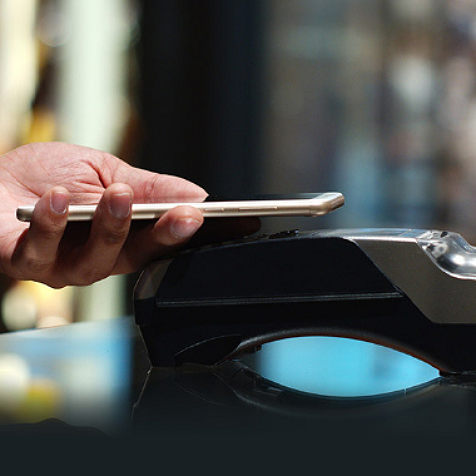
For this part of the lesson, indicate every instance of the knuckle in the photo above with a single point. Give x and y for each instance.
(35, 265)
(114, 236)
(54, 280)
(52, 232)
(152, 185)
(55, 284)
(49, 230)
(89, 275)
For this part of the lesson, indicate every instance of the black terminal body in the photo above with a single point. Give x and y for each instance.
(412, 290)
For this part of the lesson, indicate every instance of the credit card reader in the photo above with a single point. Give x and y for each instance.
(412, 290)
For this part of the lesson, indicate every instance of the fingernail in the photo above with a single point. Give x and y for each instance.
(120, 205)
(185, 227)
(58, 203)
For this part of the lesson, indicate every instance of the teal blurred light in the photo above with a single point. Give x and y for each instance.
(341, 367)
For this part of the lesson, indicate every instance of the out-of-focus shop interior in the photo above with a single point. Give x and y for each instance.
(372, 98)
(64, 76)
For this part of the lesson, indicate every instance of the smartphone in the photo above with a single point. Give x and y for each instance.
(263, 205)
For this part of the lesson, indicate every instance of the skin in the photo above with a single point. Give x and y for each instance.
(54, 175)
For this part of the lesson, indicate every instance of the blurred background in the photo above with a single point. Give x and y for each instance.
(372, 98)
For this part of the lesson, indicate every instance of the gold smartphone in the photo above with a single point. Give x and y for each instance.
(264, 205)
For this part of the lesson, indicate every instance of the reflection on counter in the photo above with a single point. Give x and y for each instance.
(340, 367)
(79, 374)
(90, 375)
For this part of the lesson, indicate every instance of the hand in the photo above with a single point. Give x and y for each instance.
(53, 175)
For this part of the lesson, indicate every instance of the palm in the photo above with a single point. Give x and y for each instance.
(30, 171)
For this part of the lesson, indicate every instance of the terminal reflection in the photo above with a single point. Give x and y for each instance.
(97, 375)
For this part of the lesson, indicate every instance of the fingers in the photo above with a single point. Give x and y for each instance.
(177, 226)
(109, 230)
(36, 255)
(48, 253)
(171, 231)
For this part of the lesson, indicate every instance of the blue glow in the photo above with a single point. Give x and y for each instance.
(340, 367)
(87, 364)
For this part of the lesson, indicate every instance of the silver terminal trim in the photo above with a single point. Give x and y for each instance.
(436, 270)
(150, 279)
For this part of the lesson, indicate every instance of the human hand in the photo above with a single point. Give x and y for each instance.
(53, 175)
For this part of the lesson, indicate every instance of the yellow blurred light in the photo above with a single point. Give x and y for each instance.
(28, 304)
(19, 309)
(40, 126)
(42, 401)
(52, 321)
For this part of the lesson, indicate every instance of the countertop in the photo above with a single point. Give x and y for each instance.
(94, 380)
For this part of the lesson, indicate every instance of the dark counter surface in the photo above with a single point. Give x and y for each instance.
(93, 380)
